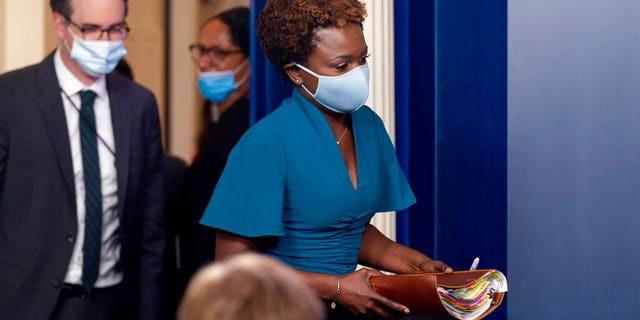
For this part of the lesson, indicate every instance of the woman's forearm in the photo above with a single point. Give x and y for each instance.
(228, 244)
(378, 251)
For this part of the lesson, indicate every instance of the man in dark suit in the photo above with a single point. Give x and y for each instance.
(82, 232)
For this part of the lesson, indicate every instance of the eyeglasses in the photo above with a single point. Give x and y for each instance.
(213, 53)
(93, 33)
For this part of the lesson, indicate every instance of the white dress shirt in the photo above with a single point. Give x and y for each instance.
(110, 251)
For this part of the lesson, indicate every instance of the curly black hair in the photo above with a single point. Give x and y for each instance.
(287, 28)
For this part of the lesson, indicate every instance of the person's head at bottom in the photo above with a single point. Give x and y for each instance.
(249, 286)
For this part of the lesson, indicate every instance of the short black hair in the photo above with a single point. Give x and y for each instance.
(238, 21)
(63, 7)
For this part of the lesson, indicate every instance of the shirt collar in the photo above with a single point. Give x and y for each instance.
(71, 85)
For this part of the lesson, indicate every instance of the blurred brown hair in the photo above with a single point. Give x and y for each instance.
(249, 286)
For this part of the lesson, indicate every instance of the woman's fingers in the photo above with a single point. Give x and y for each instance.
(443, 267)
(360, 298)
(435, 266)
(390, 304)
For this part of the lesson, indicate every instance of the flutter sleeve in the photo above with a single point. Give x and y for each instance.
(248, 198)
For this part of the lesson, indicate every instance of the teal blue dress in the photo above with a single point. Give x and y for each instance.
(286, 179)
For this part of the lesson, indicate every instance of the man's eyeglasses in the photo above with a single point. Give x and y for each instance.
(213, 53)
(93, 33)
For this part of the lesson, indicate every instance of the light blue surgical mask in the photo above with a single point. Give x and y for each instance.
(96, 57)
(216, 86)
(344, 93)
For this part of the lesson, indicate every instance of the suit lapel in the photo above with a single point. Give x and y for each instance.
(52, 110)
(121, 131)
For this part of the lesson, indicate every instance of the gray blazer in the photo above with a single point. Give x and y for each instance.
(37, 198)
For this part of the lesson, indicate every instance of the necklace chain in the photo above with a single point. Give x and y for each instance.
(346, 128)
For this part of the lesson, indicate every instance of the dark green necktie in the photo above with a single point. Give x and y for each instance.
(93, 194)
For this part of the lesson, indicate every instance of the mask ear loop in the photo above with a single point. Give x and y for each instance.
(302, 84)
(240, 66)
(64, 40)
(306, 70)
(236, 85)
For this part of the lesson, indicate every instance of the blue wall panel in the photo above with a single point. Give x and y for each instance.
(471, 132)
(415, 118)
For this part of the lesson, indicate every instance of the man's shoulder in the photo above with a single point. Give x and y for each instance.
(124, 91)
(19, 77)
(121, 83)
(38, 74)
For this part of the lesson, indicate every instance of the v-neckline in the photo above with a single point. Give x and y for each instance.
(355, 186)
(328, 138)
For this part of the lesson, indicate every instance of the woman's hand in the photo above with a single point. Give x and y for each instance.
(358, 297)
(382, 253)
(429, 265)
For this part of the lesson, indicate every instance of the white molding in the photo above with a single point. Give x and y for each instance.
(378, 32)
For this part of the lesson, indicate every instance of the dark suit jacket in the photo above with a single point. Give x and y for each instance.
(37, 197)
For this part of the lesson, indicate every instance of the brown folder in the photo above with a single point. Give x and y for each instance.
(419, 292)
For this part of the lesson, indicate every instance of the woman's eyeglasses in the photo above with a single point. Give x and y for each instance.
(213, 53)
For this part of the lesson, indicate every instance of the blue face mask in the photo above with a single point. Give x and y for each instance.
(96, 57)
(216, 86)
(344, 93)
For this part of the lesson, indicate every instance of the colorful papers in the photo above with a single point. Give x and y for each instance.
(472, 300)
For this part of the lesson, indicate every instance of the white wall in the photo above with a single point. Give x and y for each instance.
(23, 39)
(182, 78)
(378, 31)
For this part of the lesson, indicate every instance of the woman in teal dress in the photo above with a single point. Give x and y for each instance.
(303, 184)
